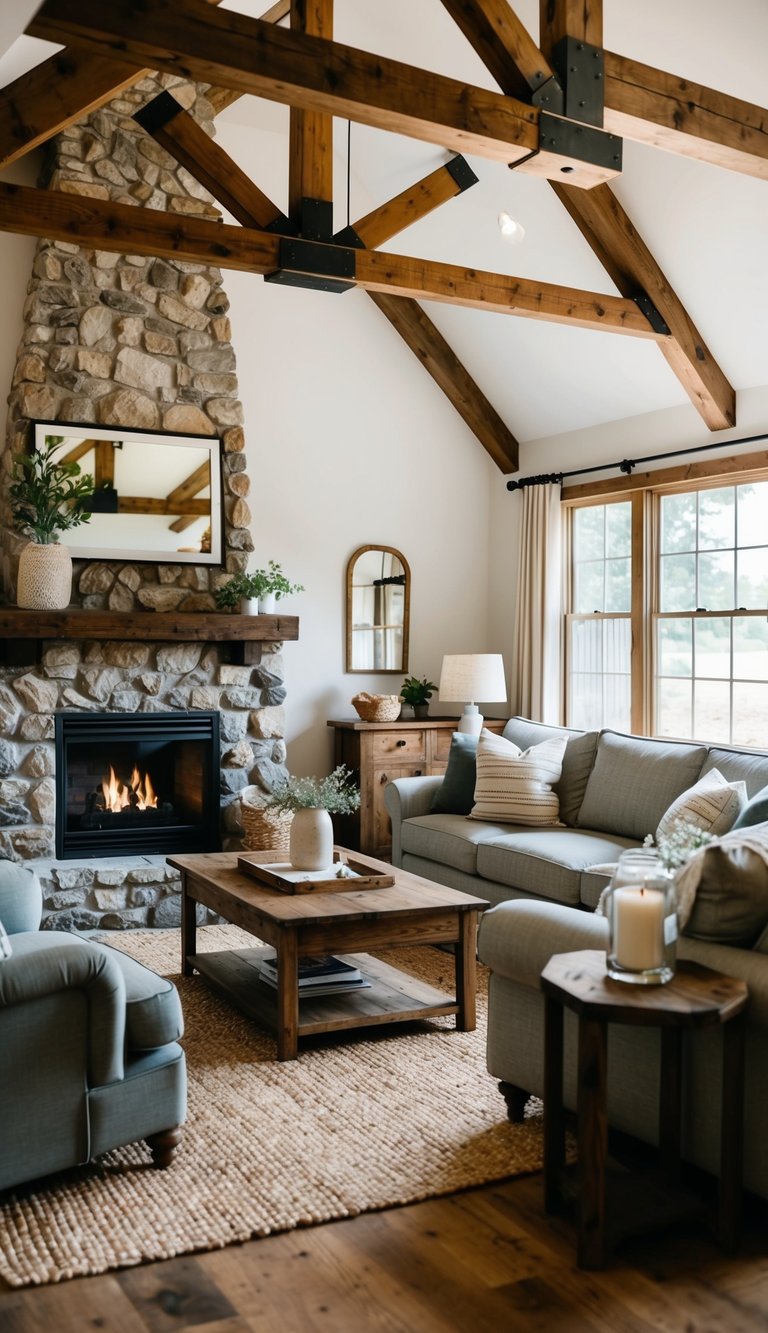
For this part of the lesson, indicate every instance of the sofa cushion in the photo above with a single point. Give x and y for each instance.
(152, 1007)
(738, 765)
(577, 761)
(712, 804)
(755, 811)
(731, 903)
(456, 793)
(451, 840)
(514, 786)
(634, 781)
(546, 862)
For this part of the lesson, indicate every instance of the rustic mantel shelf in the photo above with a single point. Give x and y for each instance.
(18, 628)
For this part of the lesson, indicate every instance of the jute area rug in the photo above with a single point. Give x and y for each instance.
(354, 1124)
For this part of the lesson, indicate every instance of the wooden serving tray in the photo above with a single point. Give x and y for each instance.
(280, 875)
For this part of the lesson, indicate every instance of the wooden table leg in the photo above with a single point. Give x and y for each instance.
(554, 1119)
(592, 1141)
(188, 928)
(466, 972)
(731, 1134)
(287, 996)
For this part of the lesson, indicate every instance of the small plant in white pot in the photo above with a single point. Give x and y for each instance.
(256, 593)
(48, 497)
(312, 801)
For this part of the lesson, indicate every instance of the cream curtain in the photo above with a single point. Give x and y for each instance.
(538, 636)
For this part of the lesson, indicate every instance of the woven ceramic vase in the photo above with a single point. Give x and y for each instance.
(311, 840)
(45, 577)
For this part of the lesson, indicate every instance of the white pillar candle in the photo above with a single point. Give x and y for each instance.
(638, 927)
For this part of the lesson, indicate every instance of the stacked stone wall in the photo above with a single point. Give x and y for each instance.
(124, 340)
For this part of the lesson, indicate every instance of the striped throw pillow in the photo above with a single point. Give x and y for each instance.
(514, 786)
(711, 804)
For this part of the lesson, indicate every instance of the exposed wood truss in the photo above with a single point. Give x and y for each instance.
(597, 212)
(180, 134)
(111, 45)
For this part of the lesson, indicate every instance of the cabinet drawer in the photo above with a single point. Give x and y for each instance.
(403, 746)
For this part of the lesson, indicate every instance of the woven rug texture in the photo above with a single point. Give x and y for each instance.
(354, 1124)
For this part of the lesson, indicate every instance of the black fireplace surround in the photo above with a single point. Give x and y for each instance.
(144, 783)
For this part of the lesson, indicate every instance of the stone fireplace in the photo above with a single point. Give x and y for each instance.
(122, 340)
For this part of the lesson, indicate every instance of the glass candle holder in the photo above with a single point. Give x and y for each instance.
(641, 910)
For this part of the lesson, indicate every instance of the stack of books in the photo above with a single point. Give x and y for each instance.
(320, 975)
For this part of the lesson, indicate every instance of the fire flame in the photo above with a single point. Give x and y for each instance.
(138, 792)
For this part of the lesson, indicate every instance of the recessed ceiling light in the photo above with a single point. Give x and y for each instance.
(511, 230)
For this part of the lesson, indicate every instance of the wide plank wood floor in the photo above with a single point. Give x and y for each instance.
(484, 1261)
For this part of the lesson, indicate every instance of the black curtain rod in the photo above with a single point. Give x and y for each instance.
(626, 465)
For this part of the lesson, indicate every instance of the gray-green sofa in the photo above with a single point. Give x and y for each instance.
(613, 791)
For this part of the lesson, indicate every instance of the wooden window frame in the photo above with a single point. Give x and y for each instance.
(644, 490)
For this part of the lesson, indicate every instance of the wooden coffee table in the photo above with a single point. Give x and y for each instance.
(412, 911)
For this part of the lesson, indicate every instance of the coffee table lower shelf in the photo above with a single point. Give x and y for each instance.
(393, 996)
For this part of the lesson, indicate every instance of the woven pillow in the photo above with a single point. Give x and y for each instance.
(711, 804)
(514, 786)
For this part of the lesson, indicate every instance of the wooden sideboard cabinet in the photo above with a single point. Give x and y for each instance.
(377, 752)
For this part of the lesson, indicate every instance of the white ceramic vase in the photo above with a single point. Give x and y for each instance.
(268, 606)
(249, 606)
(311, 840)
(45, 577)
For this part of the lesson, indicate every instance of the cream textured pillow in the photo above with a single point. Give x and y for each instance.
(514, 786)
(711, 804)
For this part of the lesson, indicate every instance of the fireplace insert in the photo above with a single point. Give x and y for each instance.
(146, 783)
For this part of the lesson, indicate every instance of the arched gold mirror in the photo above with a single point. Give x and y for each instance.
(378, 602)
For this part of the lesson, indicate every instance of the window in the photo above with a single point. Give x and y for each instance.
(676, 643)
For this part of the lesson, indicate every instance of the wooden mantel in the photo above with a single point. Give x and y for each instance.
(19, 629)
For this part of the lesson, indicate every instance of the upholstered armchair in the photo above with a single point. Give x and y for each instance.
(89, 1054)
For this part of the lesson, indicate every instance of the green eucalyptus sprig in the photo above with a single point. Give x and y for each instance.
(47, 495)
(335, 793)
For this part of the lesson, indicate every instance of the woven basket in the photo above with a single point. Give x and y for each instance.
(377, 707)
(264, 829)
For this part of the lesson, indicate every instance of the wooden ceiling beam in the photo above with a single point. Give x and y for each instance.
(56, 93)
(384, 222)
(215, 46)
(437, 357)
(124, 229)
(619, 247)
(503, 44)
(236, 191)
(666, 111)
(186, 141)
(221, 98)
(310, 136)
(581, 19)
(68, 86)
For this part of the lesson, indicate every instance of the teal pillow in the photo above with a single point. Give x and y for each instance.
(456, 793)
(754, 812)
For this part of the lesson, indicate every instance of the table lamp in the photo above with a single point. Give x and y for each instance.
(468, 676)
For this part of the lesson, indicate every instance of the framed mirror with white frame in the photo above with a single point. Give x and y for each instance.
(157, 496)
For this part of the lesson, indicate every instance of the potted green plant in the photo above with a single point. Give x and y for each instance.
(416, 693)
(257, 592)
(312, 801)
(48, 496)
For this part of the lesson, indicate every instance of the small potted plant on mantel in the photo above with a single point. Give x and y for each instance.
(48, 497)
(416, 693)
(256, 593)
(312, 801)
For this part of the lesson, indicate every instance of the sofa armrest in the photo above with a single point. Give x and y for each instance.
(43, 964)
(405, 798)
(518, 938)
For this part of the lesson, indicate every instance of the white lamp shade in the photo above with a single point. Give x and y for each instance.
(467, 677)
